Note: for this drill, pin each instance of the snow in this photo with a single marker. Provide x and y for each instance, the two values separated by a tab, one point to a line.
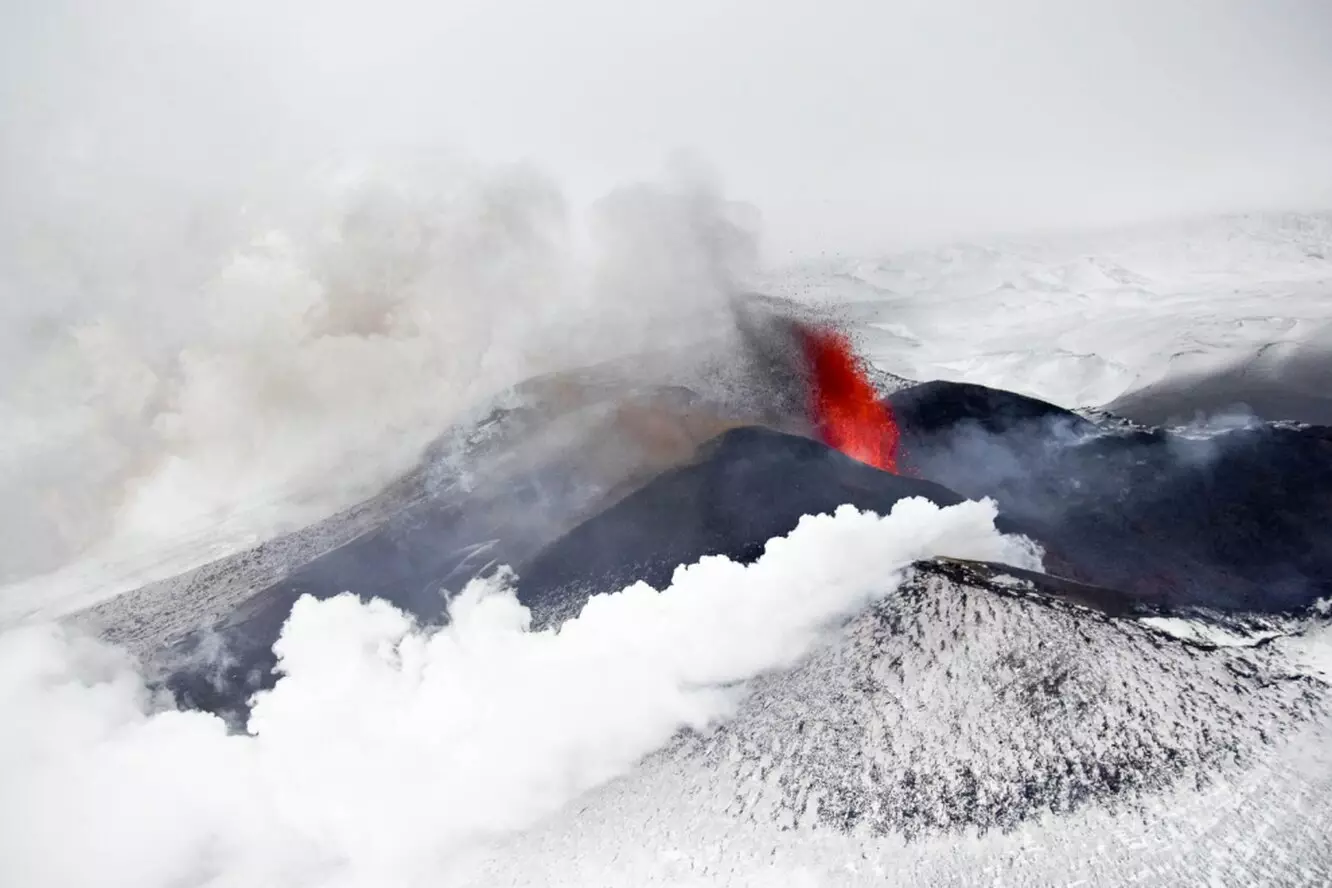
1201	632
1225	772
1310	651
1080	320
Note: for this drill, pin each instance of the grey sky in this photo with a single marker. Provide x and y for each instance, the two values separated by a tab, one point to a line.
850	124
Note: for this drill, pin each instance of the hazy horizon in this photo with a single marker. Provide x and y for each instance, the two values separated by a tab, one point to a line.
850	126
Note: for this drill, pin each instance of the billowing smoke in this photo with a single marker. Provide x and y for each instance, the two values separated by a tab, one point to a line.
308	360
246	270
390	754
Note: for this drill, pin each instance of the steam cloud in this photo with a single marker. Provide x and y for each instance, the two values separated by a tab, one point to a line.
388	754
314	361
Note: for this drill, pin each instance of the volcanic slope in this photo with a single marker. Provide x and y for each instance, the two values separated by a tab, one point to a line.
1236	522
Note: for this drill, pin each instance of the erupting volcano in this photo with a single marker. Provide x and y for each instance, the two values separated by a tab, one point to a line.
846	409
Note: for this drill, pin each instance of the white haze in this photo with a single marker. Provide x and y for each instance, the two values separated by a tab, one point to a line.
389	754
303	360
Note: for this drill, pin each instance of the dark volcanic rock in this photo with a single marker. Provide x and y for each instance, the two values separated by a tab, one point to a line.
743	488
1237	518
932	408
531	478
409	560
748	486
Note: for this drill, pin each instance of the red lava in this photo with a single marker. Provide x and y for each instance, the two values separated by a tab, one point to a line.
847	411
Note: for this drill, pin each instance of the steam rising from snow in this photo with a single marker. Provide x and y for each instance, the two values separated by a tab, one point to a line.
388	753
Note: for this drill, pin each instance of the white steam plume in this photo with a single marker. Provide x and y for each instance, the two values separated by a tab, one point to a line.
245	273
389	754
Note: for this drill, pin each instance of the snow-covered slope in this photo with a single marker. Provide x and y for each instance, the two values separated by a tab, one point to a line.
971	730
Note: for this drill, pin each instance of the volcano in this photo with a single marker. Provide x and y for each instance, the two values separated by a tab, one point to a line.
1147	655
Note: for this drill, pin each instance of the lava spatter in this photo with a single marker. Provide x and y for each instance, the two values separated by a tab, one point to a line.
848	413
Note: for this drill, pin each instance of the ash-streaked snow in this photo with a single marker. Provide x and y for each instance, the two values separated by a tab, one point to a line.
933	742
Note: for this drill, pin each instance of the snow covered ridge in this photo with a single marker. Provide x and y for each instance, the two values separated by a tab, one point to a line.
956	704
968	730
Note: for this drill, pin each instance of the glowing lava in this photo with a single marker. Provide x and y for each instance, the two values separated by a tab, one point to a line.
847	411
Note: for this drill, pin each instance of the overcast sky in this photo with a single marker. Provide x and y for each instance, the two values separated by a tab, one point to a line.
850	124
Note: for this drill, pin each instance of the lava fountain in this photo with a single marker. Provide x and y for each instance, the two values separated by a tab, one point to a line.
848	413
